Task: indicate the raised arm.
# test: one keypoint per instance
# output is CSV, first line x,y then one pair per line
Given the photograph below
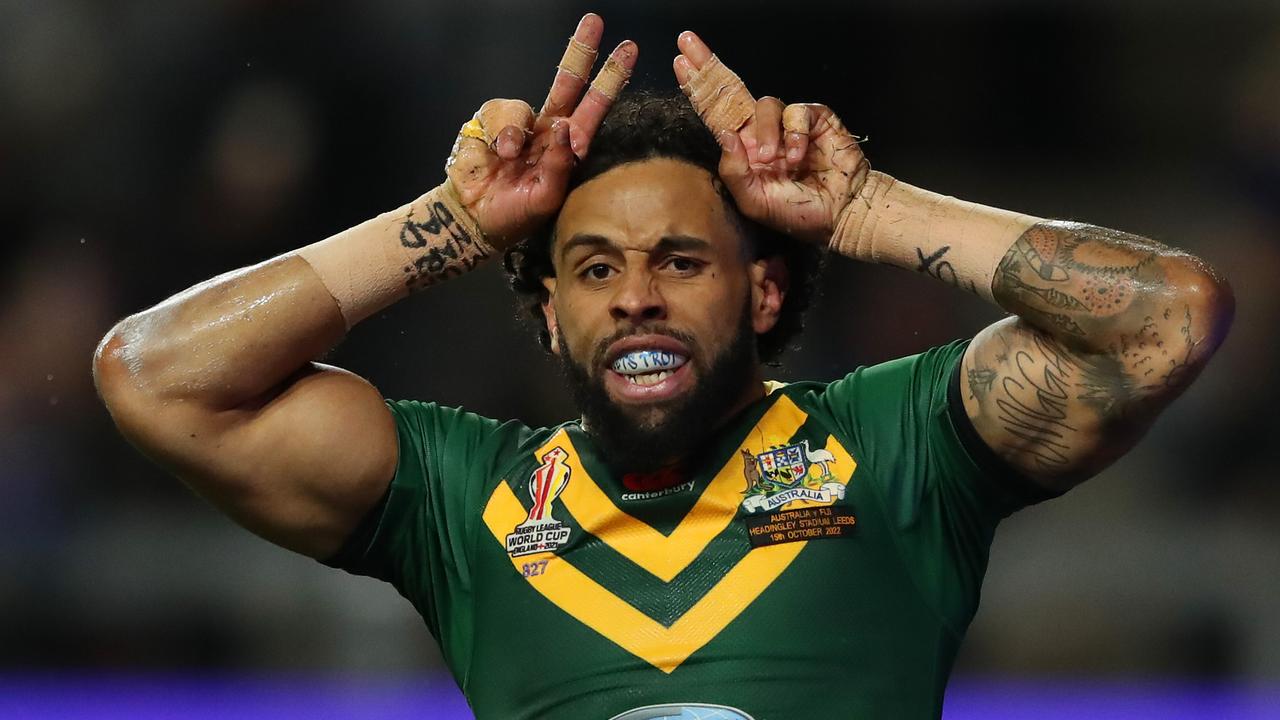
x,y
1108,328
219,385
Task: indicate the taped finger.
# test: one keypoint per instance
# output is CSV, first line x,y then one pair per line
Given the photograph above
x,y
497,115
612,78
795,119
719,96
578,59
599,97
575,66
469,158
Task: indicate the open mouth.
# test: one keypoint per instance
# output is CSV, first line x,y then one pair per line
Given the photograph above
x,y
648,368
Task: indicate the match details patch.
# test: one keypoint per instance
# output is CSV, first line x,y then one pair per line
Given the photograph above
x,y
811,523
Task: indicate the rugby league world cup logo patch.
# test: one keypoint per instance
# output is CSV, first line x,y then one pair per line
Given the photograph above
x,y
541,532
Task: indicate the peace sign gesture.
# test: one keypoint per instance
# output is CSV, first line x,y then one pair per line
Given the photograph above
x,y
510,165
793,168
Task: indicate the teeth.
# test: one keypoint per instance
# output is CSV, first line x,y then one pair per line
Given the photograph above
x,y
649,378
647,361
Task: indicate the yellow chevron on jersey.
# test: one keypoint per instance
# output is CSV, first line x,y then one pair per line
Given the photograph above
x,y
664,556
600,609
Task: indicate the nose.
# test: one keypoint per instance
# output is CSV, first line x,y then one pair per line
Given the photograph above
x,y
637,297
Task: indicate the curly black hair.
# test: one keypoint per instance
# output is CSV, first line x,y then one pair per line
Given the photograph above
x,y
642,125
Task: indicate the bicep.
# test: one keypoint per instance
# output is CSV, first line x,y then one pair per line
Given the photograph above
x,y
1056,415
301,468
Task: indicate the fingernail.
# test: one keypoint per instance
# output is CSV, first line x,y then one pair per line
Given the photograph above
x,y
686,36
766,151
793,154
728,140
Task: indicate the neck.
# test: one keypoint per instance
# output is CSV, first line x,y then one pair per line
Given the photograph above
x,y
751,392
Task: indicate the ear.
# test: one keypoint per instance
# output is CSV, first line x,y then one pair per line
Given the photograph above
x,y
549,312
769,283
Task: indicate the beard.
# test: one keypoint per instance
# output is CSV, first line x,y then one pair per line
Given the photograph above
x,y
646,438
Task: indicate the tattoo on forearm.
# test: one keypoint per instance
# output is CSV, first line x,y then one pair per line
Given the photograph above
x,y
1069,277
448,249
1104,340
1154,360
934,266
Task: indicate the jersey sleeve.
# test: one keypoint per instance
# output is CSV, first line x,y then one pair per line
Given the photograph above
x,y
943,489
416,537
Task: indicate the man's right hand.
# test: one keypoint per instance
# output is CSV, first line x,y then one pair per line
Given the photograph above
x,y
510,166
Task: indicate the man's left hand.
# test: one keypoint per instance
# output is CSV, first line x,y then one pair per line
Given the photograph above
x,y
794,168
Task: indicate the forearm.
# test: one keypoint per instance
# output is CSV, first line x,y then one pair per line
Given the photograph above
x,y
231,339
383,259
1151,315
960,243
1088,287
1110,329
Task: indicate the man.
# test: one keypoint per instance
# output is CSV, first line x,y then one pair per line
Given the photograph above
x,y
701,543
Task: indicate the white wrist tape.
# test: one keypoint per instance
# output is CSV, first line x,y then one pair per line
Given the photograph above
x,y
382,260
899,224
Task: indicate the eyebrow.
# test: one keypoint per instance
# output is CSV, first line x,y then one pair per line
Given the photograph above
x,y
669,243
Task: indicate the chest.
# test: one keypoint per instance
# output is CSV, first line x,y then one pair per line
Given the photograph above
x,y
780,541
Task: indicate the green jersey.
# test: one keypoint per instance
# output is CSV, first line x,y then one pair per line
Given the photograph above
x,y
819,557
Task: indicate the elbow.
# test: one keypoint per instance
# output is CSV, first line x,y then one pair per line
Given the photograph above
x,y
108,366
1203,302
116,363
1209,300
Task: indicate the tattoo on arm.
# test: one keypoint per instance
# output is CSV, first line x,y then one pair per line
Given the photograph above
x,y
1032,405
980,381
448,250
935,267
1070,279
1103,341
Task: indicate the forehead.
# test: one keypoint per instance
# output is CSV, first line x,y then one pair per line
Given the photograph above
x,y
638,204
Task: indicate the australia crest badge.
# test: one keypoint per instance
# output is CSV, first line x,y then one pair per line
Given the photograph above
x,y
787,474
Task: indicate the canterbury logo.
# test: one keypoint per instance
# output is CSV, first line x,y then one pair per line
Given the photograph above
x,y
663,645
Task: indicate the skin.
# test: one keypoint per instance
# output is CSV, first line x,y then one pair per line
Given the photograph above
x,y
1108,328
621,270
218,383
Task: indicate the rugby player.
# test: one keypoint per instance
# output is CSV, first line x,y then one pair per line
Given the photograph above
x,y
701,542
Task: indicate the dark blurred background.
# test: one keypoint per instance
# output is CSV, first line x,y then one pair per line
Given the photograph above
x,y
145,146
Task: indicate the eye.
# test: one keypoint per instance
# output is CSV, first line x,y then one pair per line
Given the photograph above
x,y
683,265
598,271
